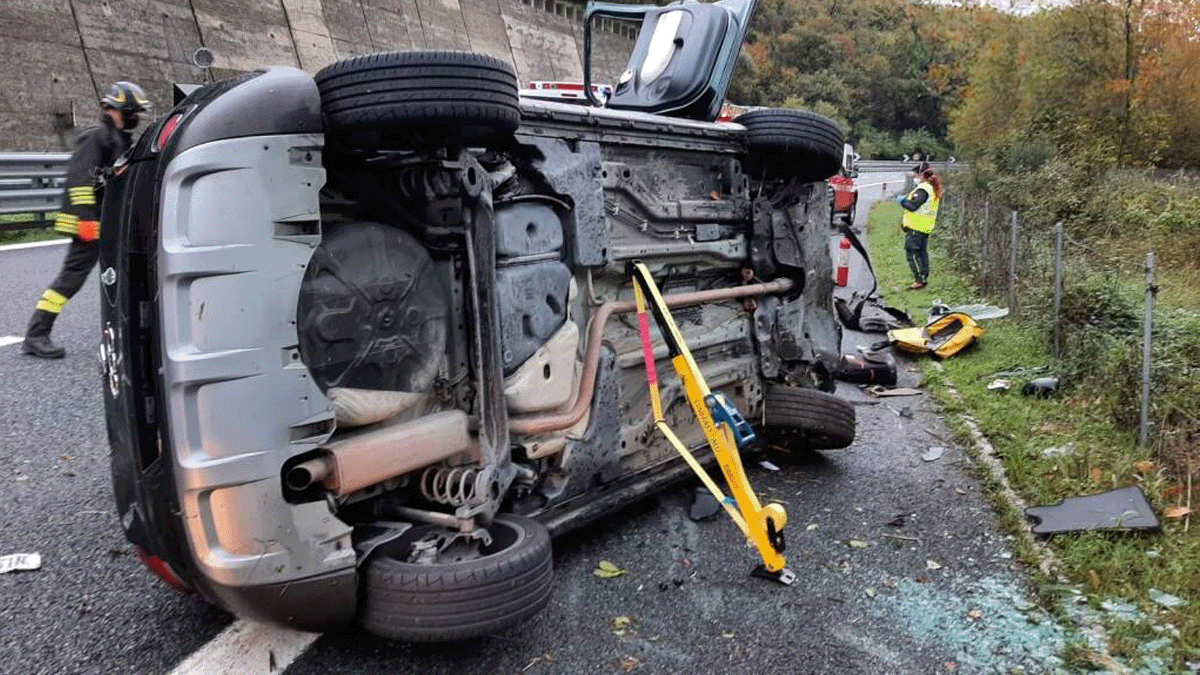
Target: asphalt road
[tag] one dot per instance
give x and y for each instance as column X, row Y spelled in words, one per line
column 901, row 566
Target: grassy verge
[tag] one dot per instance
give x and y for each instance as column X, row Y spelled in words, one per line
column 1096, row 454
column 22, row 236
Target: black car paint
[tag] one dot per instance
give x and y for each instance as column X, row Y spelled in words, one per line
column 278, row 101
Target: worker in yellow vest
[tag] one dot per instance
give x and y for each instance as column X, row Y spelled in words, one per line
column 920, row 216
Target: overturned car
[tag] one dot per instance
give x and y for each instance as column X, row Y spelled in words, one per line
column 368, row 340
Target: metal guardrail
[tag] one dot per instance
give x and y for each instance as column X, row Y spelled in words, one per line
column 895, row 166
column 30, row 184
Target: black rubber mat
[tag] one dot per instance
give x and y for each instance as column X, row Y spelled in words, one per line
column 1123, row 509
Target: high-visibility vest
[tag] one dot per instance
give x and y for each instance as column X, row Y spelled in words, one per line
column 924, row 218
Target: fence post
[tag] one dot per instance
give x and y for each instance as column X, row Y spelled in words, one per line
column 1012, row 265
column 984, row 231
column 1147, row 344
column 1058, row 288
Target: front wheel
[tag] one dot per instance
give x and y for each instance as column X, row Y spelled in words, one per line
column 464, row 589
column 792, row 144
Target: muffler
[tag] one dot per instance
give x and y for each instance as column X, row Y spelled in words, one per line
column 369, row 457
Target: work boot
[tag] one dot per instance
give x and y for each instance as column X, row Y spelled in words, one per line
column 37, row 337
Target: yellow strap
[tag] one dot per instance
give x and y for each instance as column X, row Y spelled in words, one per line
column 750, row 516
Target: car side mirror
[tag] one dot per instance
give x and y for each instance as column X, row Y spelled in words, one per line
column 682, row 60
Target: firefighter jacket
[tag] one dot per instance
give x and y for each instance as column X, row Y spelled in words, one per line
column 95, row 151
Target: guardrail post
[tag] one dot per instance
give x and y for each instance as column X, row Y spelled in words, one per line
column 1147, row 345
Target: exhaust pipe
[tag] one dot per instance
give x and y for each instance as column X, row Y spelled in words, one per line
column 369, row 457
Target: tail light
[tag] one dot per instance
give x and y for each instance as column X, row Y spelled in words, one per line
column 164, row 133
column 164, row 571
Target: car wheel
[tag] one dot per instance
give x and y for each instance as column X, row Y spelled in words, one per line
column 403, row 100
column 813, row 419
column 465, row 591
column 792, row 143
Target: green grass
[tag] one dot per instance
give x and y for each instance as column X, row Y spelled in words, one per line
column 1109, row 566
column 22, row 236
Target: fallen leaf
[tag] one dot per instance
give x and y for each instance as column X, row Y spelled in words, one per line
column 933, row 565
column 961, row 491
column 1144, row 466
column 812, row 526
column 935, row 453
column 890, row 583
column 628, row 663
column 607, row 570
column 1171, row 491
column 1093, row 578
column 1097, row 475
column 1176, row 511
column 857, row 543
column 975, row 615
column 715, row 195
column 728, row 635
column 870, row 592
column 951, row 666
column 621, row 622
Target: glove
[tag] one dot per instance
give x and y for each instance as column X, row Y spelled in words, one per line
column 89, row 230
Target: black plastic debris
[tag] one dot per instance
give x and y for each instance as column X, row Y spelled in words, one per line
column 1042, row 387
column 1123, row 509
column 704, row 504
column 867, row 368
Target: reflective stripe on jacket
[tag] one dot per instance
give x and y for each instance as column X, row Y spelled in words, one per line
column 925, row 217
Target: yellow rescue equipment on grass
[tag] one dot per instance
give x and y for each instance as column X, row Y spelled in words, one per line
column 946, row 336
column 724, row 427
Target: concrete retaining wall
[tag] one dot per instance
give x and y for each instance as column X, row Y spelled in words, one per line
column 58, row 56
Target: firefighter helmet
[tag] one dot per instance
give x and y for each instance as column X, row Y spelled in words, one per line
column 126, row 97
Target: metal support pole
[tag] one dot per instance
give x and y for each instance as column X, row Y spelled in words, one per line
column 1058, row 287
column 1147, row 344
column 1012, row 265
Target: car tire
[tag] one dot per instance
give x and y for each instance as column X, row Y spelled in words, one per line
column 792, row 143
column 457, row 600
column 814, row 419
column 414, row 99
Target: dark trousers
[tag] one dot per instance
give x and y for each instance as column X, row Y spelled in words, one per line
column 916, row 248
column 81, row 258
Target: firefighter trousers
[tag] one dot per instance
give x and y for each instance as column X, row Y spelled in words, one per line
column 81, row 258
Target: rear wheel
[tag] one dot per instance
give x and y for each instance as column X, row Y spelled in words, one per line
column 808, row 418
column 465, row 590
column 402, row 100
column 792, row 143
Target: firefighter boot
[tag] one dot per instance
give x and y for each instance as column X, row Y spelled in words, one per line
column 37, row 338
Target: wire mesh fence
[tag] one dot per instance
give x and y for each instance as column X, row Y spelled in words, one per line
column 1027, row 264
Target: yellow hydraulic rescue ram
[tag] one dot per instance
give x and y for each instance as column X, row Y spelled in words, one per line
column 724, row 427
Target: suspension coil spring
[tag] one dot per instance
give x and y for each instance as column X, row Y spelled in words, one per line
column 451, row 486
column 425, row 182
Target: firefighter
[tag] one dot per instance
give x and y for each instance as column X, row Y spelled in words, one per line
column 920, row 216
column 79, row 216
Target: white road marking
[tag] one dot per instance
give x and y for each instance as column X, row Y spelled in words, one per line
column 10, row 340
column 35, row 244
column 247, row 648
